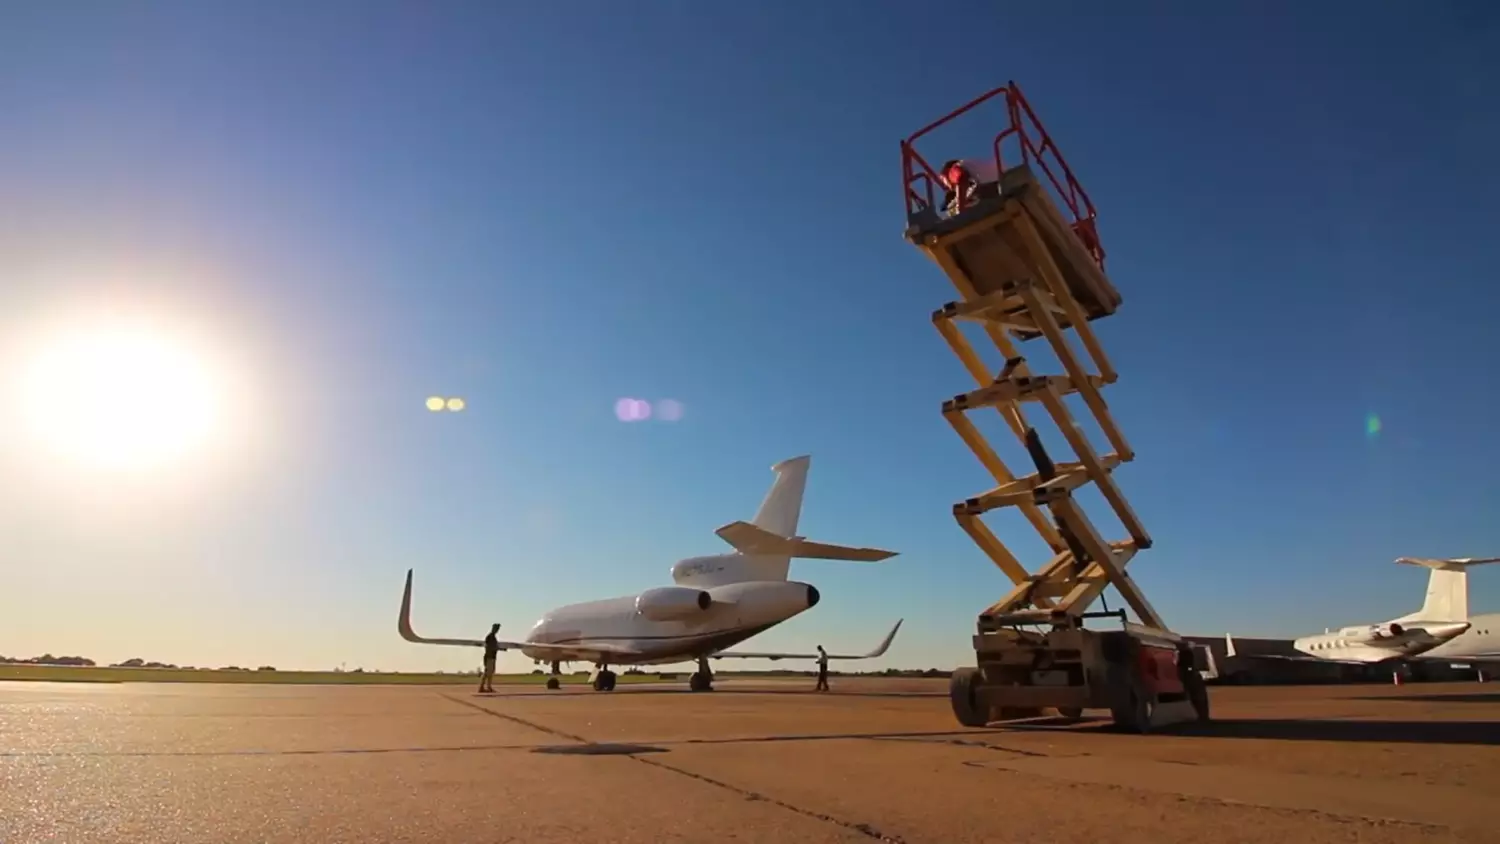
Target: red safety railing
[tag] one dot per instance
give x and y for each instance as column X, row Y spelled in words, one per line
column 920, row 183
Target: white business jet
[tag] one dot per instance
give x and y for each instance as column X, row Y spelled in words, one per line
column 718, row 601
column 1444, row 617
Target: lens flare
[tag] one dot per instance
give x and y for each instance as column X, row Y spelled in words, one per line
column 632, row 410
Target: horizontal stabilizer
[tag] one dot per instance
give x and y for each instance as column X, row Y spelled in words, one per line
column 1455, row 564
column 749, row 539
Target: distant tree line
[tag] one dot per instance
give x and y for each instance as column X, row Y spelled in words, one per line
column 137, row 662
column 46, row 659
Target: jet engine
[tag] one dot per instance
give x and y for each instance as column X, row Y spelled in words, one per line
column 1374, row 633
column 672, row 603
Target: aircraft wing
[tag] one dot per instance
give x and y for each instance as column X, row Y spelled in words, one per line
column 1230, row 651
column 880, row 650
column 749, row 539
column 591, row 652
column 1286, row 658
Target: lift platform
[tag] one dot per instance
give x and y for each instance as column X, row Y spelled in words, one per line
column 1029, row 268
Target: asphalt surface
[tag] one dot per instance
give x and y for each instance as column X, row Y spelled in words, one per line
column 873, row 761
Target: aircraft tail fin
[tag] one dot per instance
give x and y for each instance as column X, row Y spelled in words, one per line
column 1447, row 587
column 782, row 507
column 777, row 518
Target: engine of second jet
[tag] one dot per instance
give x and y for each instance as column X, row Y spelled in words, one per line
column 1375, row 632
column 672, row 603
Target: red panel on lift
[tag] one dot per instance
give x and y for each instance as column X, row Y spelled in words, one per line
column 1158, row 667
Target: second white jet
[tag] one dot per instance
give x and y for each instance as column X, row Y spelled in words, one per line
column 1444, row 617
column 716, row 602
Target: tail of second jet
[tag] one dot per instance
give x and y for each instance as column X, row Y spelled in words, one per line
column 1447, row 588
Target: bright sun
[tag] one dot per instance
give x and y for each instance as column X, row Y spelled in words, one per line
column 119, row 395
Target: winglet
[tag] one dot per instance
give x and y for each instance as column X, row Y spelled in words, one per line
column 403, row 624
column 1229, row 645
column 749, row 539
column 885, row 643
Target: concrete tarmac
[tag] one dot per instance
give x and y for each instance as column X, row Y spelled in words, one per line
column 876, row 760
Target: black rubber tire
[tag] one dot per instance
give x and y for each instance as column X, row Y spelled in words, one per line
column 554, row 683
column 1197, row 692
column 963, row 694
column 1072, row 713
column 699, row 683
column 1133, row 705
column 609, row 681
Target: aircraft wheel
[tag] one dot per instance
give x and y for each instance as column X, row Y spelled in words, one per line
column 553, row 683
column 699, row 683
column 609, row 681
column 1072, row 713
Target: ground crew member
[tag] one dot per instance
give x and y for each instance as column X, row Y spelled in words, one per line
column 966, row 181
column 491, row 648
column 822, row 670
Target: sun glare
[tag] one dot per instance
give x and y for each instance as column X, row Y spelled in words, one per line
column 122, row 396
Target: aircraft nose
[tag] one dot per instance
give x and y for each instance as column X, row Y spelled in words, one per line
column 812, row 596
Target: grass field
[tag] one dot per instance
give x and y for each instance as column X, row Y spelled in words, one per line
column 88, row 674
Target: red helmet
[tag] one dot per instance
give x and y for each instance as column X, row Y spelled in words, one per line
column 954, row 172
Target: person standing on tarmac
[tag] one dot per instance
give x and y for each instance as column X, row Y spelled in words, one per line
column 822, row 670
column 491, row 648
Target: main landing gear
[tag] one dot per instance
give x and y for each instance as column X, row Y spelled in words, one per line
column 604, row 679
column 555, row 681
column 702, row 679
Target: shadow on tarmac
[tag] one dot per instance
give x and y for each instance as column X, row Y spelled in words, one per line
column 1491, row 697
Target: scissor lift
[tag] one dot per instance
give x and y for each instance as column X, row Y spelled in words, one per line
column 1030, row 268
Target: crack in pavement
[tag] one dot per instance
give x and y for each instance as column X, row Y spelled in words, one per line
column 515, row 719
column 864, row 829
column 998, row 748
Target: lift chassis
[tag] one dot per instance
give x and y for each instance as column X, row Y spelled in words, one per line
column 1029, row 267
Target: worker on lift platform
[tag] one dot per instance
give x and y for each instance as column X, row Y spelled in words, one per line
column 966, row 181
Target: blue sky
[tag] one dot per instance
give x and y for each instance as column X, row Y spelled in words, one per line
column 544, row 210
